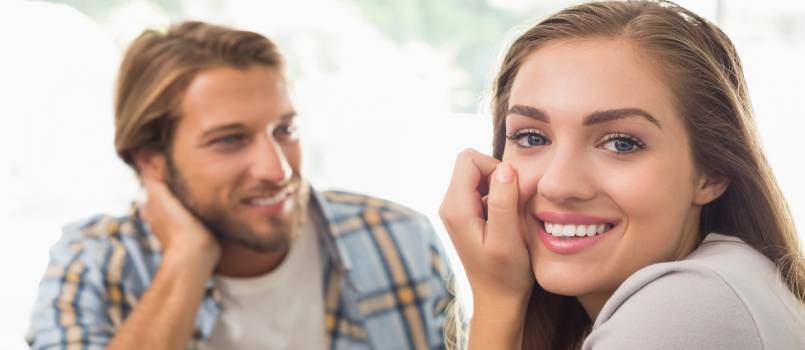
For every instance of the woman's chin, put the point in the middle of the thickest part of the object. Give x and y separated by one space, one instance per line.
564 281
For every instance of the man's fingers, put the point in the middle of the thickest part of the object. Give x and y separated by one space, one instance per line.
502 207
160 197
161 204
155 188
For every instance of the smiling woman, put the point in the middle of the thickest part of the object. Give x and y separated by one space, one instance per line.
630 203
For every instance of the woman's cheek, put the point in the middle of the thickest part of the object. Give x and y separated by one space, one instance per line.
648 188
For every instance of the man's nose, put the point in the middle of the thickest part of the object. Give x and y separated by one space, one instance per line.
269 163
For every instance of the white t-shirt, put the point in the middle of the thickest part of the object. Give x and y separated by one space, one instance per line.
283 309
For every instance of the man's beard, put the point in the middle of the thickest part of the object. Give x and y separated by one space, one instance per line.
220 219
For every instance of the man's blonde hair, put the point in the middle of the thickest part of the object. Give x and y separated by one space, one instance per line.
157 69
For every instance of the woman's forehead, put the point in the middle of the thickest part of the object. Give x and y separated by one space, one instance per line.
579 77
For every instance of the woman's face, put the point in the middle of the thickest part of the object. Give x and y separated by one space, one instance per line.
606 176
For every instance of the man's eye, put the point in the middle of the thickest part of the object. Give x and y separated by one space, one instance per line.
528 138
622 144
229 140
287 130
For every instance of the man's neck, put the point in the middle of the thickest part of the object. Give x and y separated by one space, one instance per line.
241 262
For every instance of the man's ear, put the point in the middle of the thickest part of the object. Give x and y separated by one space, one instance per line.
151 164
709 188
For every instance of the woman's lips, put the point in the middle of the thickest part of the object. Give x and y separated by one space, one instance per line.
570 233
573 218
568 245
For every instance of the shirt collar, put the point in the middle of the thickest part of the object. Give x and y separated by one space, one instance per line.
326 226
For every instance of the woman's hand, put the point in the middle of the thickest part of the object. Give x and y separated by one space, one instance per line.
182 236
491 248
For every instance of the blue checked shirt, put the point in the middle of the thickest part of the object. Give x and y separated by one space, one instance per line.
384 276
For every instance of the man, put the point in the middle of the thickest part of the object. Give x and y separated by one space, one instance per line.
232 248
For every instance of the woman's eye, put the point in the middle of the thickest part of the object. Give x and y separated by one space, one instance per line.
528 138
622 144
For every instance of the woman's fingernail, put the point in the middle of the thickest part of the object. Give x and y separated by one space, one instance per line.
505 173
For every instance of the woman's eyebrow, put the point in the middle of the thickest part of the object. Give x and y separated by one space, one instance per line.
594 118
615 114
528 111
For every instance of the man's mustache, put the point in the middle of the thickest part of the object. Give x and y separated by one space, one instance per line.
268 189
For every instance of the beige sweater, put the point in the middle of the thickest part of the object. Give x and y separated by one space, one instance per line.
725 295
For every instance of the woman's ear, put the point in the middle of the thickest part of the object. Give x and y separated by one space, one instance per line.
709 188
151 164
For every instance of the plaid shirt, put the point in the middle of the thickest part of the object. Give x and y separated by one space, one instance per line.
384 276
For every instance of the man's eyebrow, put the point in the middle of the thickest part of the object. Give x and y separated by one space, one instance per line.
615 114
223 128
240 126
528 111
288 116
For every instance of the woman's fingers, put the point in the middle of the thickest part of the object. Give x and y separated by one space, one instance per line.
471 166
462 208
472 169
503 228
503 244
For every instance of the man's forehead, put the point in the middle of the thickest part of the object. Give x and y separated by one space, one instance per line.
229 95
226 81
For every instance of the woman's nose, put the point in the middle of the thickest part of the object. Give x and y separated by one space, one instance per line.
566 177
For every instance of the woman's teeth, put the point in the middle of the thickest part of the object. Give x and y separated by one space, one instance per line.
559 230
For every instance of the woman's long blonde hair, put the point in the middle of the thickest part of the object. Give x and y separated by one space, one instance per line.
703 71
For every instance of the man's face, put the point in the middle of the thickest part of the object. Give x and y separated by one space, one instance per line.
235 157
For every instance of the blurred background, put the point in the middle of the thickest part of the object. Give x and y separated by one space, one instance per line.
388 93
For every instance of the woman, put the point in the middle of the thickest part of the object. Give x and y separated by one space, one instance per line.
629 204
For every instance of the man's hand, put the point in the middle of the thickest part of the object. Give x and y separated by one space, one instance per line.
164 317
182 235
491 249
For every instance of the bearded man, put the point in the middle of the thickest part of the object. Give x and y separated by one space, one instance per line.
233 249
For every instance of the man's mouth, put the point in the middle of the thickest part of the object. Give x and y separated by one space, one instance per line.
268 200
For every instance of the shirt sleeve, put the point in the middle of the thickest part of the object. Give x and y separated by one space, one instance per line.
683 309
69 308
441 299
